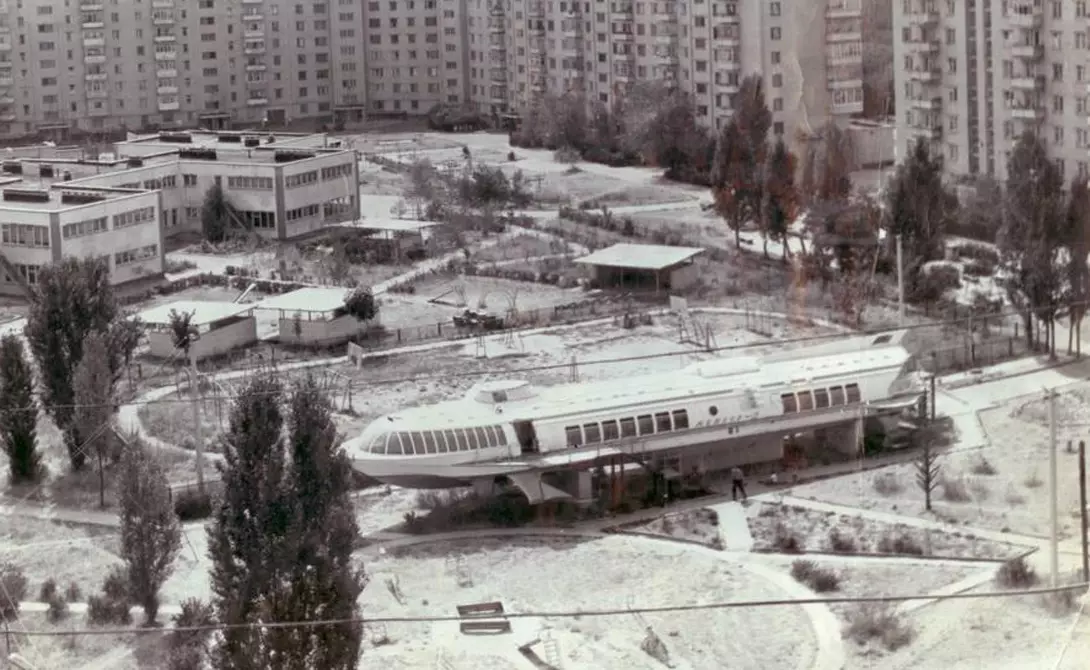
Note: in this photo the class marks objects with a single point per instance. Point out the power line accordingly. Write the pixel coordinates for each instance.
(273, 369)
(569, 614)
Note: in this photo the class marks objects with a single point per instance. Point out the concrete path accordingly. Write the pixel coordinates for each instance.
(733, 526)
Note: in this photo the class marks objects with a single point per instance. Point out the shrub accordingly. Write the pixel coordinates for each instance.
(73, 593)
(48, 591)
(984, 467)
(1064, 603)
(841, 543)
(955, 490)
(1014, 496)
(878, 622)
(901, 543)
(786, 541)
(820, 580)
(888, 484)
(191, 505)
(58, 609)
(1033, 481)
(566, 155)
(14, 584)
(112, 605)
(1016, 573)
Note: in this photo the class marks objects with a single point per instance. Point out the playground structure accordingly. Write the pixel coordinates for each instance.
(691, 330)
(483, 619)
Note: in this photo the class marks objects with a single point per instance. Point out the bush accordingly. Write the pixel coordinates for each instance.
(14, 584)
(1016, 573)
(878, 622)
(785, 541)
(48, 591)
(841, 543)
(191, 505)
(901, 543)
(887, 484)
(984, 467)
(112, 606)
(954, 490)
(73, 593)
(566, 155)
(58, 609)
(820, 580)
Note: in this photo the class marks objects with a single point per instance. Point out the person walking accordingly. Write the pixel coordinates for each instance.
(737, 483)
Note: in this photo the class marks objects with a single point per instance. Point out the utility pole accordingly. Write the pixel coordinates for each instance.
(1082, 511)
(1053, 481)
(900, 282)
(198, 446)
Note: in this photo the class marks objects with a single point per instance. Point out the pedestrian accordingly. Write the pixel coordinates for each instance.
(738, 483)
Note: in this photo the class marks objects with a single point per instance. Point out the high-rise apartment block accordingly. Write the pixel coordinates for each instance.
(973, 75)
(108, 64)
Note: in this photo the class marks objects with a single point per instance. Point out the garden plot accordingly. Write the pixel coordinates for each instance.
(574, 186)
(792, 530)
(699, 526)
(1003, 487)
(80, 651)
(614, 572)
(65, 553)
(496, 294)
(521, 248)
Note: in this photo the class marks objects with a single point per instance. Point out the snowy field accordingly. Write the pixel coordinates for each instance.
(612, 572)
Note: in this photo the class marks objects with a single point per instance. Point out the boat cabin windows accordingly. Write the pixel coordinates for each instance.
(425, 442)
(574, 435)
(663, 423)
(394, 445)
(646, 424)
(835, 396)
(592, 433)
(610, 430)
(628, 427)
(681, 419)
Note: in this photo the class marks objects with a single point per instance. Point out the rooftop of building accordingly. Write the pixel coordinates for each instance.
(640, 256)
(202, 312)
(236, 140)
(29, 195)
(310, 300)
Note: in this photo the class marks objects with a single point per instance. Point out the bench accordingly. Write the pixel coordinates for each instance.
(480, 609)
(489, 627)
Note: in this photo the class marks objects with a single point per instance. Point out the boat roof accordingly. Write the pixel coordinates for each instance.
(515, 399)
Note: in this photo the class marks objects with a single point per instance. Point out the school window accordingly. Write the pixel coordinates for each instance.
(592, 433)
(610, 430)
(681, 419)
(790, 404)
(647, 427)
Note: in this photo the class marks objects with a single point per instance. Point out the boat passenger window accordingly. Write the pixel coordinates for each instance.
(882, 339)
(853, 393)
(836, 396)
(662, 422)
(713, 410)
(821, 398)
(610, 430)
(394, 445)
(499, 396)
(429, 442)
(418, 442)
(497, 433)
(575, 435)
(592, 432)
(463, 443)
(490, 435)
(628, 427)
(482, 439)
(378, 445)
(645, 423)
(681, 419)
(440, 444)
(790, 404)
(452, 442)
(806, 401)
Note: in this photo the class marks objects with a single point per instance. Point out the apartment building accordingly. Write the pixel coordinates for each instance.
(108, 64)
(972, 75)
(44, 223)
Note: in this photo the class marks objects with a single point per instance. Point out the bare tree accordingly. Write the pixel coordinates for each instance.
(927, 473)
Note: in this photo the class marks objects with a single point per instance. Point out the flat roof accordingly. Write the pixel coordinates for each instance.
(391, 225)
(23, 195)
(640, 256)
(208, 139)
(309, 299)
(204, 311)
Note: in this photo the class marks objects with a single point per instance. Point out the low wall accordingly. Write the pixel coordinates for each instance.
(234, 335)
(321, 331)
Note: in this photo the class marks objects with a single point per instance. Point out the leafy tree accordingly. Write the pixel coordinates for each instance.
(182, 331)
(253, 521)
(982, 214)
(781, 196)
(1077, 238)
(1031, 238)
(150, 533)
(827, 168)
(215, 214)
(753, 116)
(73, 299)
(731, 179)
(424, 186)
(324, 583)
(188, 648)
(568, 127)
(18, 412)
(927, 473)
(361, 304)
(918, 208)
(94, 394)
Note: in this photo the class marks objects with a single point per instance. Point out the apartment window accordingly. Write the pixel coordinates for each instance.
(952, 65)
(1058, 136)
(777, 80)
(1057, 9)
(775, 33)
(1058, 104)
(1057, 72)
(774, 9)
(951, 36)
(775, 57)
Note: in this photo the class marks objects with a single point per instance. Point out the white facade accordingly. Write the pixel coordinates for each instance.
(97, 65)
(972, 75)
(42, 226)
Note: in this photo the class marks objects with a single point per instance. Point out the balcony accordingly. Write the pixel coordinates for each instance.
(166, 72)
(169, 105)
(6, 82)
(1028, 112)
(497, 76)
(101, 94)
(727, 86)
(843, 12)
(94, 59)
(257, 102)
(94, 41)
(92, 25)
(7, 116)
(95, 76)
(926, 75)
(1032, 52)
(927, 128)
(100, 110)
(933, 104)
(163, 4)
(1029, 17)
(163, 20)
(169, 89)
(833, 59)
(5, 45)
(928, 18)
(166, 55)
(254, 16)
(254, 34)
(254, 49)
(922, 45)
(6, 100)
(256, 67)
(1028, 83)
(160, 39)
(91, 6)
